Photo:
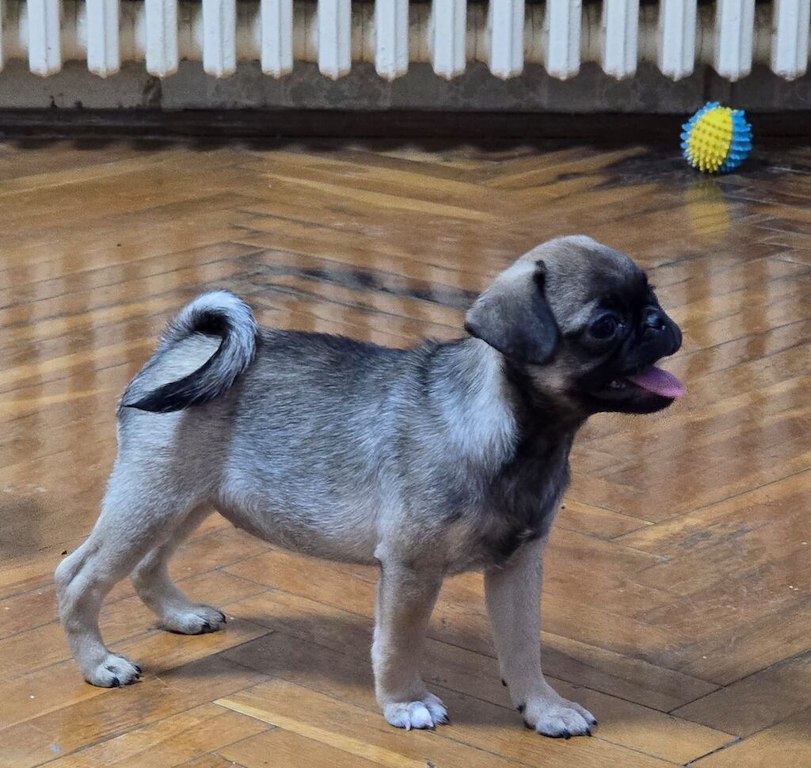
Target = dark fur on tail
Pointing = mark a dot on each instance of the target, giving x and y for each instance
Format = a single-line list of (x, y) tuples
[(219, 313)]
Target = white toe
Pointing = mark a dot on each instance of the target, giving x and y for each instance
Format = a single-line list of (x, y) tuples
[(419, 715), (439, 712)]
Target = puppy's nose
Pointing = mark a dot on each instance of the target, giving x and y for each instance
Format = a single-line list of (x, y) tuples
[(657, 322)]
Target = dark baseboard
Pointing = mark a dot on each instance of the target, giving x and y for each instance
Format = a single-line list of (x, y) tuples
[(600, 128)]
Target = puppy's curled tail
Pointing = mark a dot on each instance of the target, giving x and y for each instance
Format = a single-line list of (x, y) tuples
[(218, 313)]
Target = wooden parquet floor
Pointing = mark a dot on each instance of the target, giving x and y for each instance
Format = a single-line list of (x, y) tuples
[(678, 588)]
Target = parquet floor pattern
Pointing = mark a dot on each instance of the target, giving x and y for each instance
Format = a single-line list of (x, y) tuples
[(678, 590)]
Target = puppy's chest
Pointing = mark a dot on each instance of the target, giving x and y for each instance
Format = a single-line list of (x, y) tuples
[(517, 507)]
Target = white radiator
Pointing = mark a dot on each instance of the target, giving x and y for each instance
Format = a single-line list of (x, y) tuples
[(676, 35)]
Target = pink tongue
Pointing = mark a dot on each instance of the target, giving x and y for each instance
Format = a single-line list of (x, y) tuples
[(659, 382)]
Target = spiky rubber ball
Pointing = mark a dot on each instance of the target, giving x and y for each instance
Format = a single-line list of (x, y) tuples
[(716, 139)]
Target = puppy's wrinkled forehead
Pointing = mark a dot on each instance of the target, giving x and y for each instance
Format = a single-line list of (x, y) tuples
[(580, 272)]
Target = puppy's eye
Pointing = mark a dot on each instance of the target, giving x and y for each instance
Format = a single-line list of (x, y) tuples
[(605, 327)]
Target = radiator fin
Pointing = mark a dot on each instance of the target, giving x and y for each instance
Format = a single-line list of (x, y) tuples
[(391, 38), (44, 44), (734, 38), (219, 37), (562, 30), (789, 48), (677, 38), (448, 34), (160, 37), (103, 51)]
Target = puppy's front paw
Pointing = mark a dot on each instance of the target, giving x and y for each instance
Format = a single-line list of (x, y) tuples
[(555, 716), (428, 712), (114, 672), (194, 620)]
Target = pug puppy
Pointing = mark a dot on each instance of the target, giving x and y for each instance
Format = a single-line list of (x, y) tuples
[(429, 461)]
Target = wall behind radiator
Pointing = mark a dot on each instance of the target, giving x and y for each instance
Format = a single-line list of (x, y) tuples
[(591, 91)]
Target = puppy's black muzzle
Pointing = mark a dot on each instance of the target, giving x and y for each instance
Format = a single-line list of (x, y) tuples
[(660, 334)]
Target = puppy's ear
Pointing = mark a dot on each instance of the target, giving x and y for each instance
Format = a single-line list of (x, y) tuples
[(514, 317)]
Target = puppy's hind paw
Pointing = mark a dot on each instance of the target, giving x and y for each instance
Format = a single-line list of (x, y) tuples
[(429, 712), (114, 672), (558, 718), (194, 620)]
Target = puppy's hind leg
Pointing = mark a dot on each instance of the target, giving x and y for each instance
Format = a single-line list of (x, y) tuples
[(155, 587), (132, 520)]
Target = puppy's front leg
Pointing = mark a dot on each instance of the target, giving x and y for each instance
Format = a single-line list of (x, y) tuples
[(514, 603), (405, 599)]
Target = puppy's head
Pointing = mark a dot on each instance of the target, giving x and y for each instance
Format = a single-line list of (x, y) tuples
[(581, 323)]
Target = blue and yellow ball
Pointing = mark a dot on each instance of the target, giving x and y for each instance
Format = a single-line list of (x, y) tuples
[(716, 139)]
